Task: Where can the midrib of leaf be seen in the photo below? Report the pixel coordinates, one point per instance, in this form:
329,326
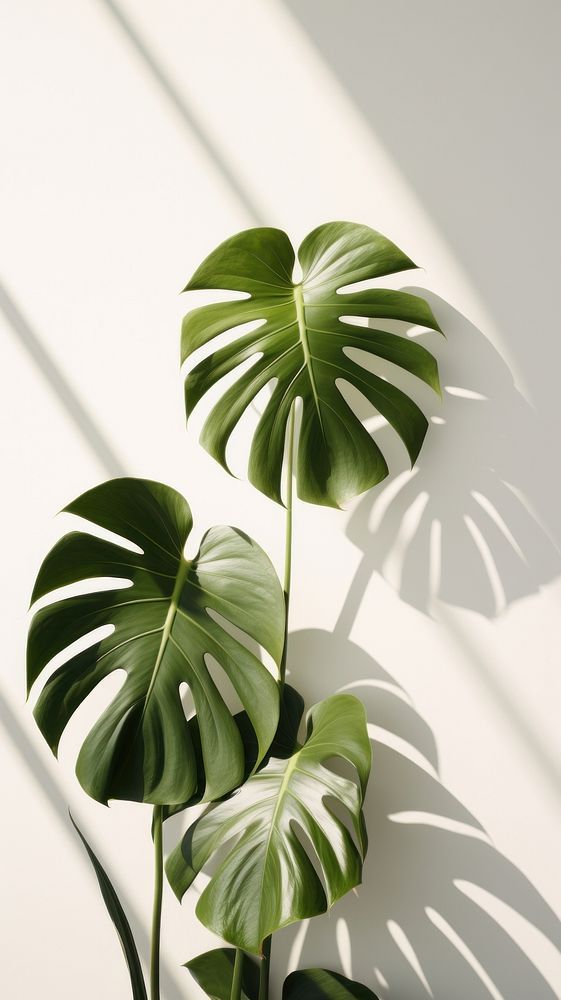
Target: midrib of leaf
303,333
182,571
280,798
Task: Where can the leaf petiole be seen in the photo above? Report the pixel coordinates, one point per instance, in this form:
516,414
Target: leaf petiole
264,968
236,990
157,907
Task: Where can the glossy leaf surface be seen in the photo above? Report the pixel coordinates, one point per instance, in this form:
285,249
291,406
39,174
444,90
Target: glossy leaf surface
166,624
214,970
321,984
301,346
285,741
118,916
267,878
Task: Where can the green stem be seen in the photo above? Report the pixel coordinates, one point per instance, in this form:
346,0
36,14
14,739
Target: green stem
266,955
288,539
157,907
236,990
264,970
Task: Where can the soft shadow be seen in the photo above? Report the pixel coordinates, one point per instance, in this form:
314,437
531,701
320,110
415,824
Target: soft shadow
44,782
476,524
185,113
422,842
67,397
55,801
464,98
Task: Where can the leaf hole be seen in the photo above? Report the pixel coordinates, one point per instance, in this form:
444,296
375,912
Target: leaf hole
341,813
89,712
305,842
187,702
94,585
237,450
222,340
223,684
104,533
244,639
87,641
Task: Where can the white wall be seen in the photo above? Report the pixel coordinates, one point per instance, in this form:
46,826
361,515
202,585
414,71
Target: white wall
135,137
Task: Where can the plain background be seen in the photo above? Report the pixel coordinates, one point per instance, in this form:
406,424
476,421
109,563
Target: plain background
135,136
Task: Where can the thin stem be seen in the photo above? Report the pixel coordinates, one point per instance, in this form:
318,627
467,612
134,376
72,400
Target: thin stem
264,970
236,990
288,539
266,955
157,907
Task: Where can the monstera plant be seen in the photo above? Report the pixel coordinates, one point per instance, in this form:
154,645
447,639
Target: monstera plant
286,826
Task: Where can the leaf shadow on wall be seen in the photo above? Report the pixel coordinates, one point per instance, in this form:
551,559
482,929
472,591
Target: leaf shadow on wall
476,523
413,929
38,762
462,100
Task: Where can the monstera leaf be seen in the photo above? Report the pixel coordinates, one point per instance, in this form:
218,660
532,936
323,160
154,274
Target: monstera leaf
166,624
322,984
213,971
267,878
301,345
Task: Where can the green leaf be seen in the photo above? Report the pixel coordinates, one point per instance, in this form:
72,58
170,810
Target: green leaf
117,914
267,879
283,745
213,971
285,740
249,766
321,984
301,345
165,626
